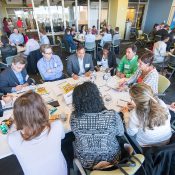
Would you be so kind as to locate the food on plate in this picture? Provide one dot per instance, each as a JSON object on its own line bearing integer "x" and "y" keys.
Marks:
{"x": 68, "y": 87}
{"x": 41, "y": 90}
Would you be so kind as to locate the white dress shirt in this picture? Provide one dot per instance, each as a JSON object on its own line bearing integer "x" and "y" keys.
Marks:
{"x": 104, "y": 63}
{"x": 81, "y": 65}
{"x": 106, "y": 38}
{"x": 89, "y": 38}
{"x": 31, "y": 45}
{"x": 159, "y": 51}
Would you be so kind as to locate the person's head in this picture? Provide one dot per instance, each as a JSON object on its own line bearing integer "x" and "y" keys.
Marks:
{"x": 83, "y": 28}
{"x": 10, "y": 19}
{"x": 15, "y": 30}
{"x": 162, "y": 25}
{"x": 19, "y": 18}
{"x": 18, "y": 63}
{"x": 104, "y": 30}
{"x": 148, "y": 109}
{"x": 46, "y": 51}
{"x": 67, "y": 31}
{"x": 106, "y": 48}
{"x": 117, "y": 29}
{"x": 165, "y": 38}
{"x": 73, "y": 26}
{"x": 93, "y": 27}
{"x": 31, "y": 115}
{"x": 80, "y": 51}
{"x": 131, "y": 51}
{"x": 155, "y": 25}
{"x": 89, "y": 31}
{"x": 4, "y": 40}
{"x": 42, "y": 31}
{"x": 87, "y": 99}
{"x": 146, "y": 61}
{"x": 31, "y": 36}
{"x": 4, "y": 19}
{"x": 166, "y": 27}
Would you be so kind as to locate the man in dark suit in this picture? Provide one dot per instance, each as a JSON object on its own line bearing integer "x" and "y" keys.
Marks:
{"x": 80, "y": 63}
{"x": 14, "y": 78}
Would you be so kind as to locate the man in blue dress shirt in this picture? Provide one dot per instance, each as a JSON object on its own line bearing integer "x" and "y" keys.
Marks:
{"x": 50, "y": 66}
{"x": 16, "y": 38}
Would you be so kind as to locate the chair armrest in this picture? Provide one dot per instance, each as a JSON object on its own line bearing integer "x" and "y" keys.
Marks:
{"x": 77, "y": 165}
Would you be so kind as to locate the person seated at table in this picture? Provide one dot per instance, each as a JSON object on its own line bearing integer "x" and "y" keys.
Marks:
{"x": 116, "y": 35}
{"x": 68, "y": 37}
{"x": 31, "y": 45}
{"x": 107, "y": 37}
{"x": 109, "y": 30}
{"x": 37, "y": 142}
{"x": 106, "y": 59}
{"x": 50, "y": 66}
{"x": 15, "y": 77}
{"x": 146, "y": 73}
{"x": 93, "y": 125}
{"x": 79, "y": 63}
{"x": 73, "y": 30}
{"x": 6, "y": 49}
{"x": 5, "y": 99}
{"x": 89, "y": 38}
{"x": 94, "y": 30}
{"x": 159, "y": 50}
{"x": 149, "y": 118}
{"x": 16, "y": 38}
{"x": 129, "y": 63}
{"x": 163, "y": 31}
{"x": 83, "y": 30}
{"x": 43, "y": 37}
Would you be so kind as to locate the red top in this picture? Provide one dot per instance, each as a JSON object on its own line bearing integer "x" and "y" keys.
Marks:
{"x": 140, "y": 79}
{"x": 19, "y": 23}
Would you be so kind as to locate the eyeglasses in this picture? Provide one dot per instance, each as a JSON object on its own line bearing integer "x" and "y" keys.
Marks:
{"x": 48, "y": 53}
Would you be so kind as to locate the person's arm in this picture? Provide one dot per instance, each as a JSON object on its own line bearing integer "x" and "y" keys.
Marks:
{"x": 21, "y": 39}
{"x": 133, "y": 124}
{"x": 120, "y": 67}
{"x": 4, "y": 86}
{"x": 133, "y": 70}
{"x": 27, "y": 50}
{"x": 114, "y": 64}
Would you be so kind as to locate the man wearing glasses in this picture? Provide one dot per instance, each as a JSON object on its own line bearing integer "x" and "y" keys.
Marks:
{"x": 50, "y": 66}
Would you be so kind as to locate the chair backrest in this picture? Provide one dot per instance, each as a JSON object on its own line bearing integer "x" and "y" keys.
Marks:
{"x": 32, "y": 60}
{"x": 163, "y": 84}
{"x": 171, "y": 60}
{"x": 90, "y": 45}
{"x": 9, "y": 60}
{"x": 157, "y": 38}
{"x": 116, "y": 42}
{"x": 66, "y": 44}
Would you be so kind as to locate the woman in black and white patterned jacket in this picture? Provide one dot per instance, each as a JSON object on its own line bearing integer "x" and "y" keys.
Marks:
{"x": 95, "y": 128}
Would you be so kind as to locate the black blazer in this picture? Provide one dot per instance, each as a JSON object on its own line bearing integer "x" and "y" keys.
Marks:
{"x": 8, "y": 80}
{"x": 111, "y": 60}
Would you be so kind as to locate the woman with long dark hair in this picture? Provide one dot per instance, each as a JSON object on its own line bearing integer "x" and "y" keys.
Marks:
{"x": 95, "y": 127}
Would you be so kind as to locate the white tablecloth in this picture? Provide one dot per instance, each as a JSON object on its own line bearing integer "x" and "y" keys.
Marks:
{"x": 55, "y": 91}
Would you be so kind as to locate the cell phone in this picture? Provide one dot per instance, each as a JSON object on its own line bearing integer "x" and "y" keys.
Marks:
{"x": 54, "y": 103}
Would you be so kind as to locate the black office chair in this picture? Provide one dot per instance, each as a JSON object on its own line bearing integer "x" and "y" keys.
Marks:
{"x": 32, "y": 60}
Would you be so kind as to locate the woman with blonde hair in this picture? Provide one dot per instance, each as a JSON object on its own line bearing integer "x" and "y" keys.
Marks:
{"x": 36, "y": 143}
{"x": 150, "y": 119}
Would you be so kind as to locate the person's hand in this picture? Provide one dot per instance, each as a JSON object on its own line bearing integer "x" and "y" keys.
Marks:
{"x": 19, "y": 87}
{"x": 131, "y": 105}
{"x": 25, "y": 84}
{"x": 7, "y": 98}
{"x": 88, "y": 74}
{"x": 75, "y": 77}
{"x": 172, "y": 105}
{"x": 121, "y": 75}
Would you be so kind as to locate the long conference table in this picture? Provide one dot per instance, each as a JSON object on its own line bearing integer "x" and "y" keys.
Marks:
{"x": 112, "y": 99}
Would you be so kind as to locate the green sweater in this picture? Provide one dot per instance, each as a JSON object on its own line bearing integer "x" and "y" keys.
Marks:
{"x": 128, "y": 67}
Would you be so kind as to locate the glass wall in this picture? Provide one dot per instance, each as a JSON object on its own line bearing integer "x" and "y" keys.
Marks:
{"x": 55, "y": 15}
